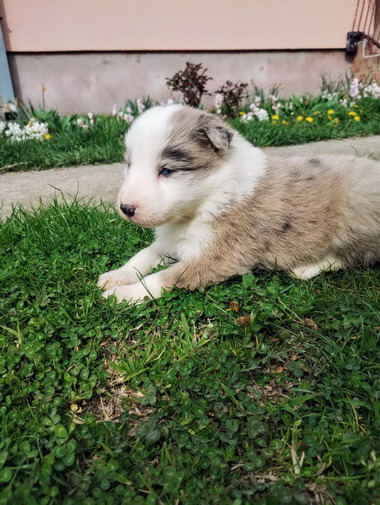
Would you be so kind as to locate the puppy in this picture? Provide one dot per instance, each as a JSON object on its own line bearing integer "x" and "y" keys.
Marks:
{"x": 222, "y": 207}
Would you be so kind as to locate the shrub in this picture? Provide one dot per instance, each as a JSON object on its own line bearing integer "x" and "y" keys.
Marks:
{"x": 191, "y": 82}
{"x": 233, "y": 94}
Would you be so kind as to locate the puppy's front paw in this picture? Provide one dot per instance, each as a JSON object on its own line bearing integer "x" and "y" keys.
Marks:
{"x": 134, "y": 293}
{"x": 114, "y": 278}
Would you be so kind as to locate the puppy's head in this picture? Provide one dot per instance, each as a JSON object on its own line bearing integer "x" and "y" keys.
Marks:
{"x": 172, "y": 155}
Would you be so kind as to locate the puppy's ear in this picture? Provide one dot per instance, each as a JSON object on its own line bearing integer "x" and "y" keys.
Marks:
{"x": 215, "y": 134}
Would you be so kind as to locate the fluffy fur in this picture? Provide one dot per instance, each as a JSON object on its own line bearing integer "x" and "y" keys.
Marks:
{"x": 221, "y": 207}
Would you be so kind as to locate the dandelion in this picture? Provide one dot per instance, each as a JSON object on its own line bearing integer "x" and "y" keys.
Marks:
{"x": 47, "y": 136}
{"x": 284, "y": 122}
{"x": 309, "y": 119}
{"x": 316, "y": 112}
{"x": 336, "y": 120}
{"x": 299, "y": 118}
{"x": 357, "y": 118}
{"x": 352, "y": 113}
{"x": 275, "y": 117}
{"x": 241, "y": 113}
{"x": 330, "y": 111}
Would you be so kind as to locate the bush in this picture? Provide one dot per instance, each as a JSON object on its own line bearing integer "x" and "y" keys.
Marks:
{"x": 191, "y": 82}
{"x": 233, "y": 94}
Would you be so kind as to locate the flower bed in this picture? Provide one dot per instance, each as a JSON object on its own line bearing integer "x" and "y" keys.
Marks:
{"x": 36, "y": 139}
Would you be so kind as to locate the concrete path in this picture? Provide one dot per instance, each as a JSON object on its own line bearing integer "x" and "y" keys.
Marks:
{"x": 101, "y": 182}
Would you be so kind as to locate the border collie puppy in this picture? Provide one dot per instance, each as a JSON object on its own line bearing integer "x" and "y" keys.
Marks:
{"x": 222, "y": 207}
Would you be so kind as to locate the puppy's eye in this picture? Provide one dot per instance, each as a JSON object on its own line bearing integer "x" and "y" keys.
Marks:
{"x": 166, "y": 171}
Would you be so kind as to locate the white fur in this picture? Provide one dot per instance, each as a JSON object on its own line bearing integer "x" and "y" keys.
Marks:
{"x": 163, "y": 202}
{"x": 330, "y": 264}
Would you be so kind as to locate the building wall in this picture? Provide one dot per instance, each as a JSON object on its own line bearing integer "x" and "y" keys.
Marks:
{"x": 167, "y": 25}
{"x": 90, "y": 54}
{"x": 84, "y": 82}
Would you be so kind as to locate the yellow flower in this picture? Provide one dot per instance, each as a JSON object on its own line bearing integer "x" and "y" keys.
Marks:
{"x": 242, "y": 113}
{"x": 316, "y": 112}
{"x": 299, "y": 118}
{"x": 284, "y": 122}
{"x": 330, "y": 111}
{"x": 47, "y": 136}
{"x": 357, "y": 118}
{"x": 309, "y": 119}
{"x": 352, "y": 113}
{"x": 275, "y": 117}
{"x": 336, "y": 120}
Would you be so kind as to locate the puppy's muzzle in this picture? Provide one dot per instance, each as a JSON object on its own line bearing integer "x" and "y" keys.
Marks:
{"x": 128, "y": 210}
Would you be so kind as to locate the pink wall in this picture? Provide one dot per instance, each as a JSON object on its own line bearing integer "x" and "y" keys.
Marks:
{"x": 134, "y": 25}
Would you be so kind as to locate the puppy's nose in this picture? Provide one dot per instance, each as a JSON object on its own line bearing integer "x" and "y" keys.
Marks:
{"x": 128, "y": 210}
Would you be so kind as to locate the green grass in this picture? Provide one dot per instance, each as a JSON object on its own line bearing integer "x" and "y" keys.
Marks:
{"x": 191, "y": 399}
{"x": 103, "y": 143}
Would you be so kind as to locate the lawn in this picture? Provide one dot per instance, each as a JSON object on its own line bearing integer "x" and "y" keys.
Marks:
{"x": 260, "y": 390}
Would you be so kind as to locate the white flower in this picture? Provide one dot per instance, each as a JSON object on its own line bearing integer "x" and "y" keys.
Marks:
{"x": 3, "y": 125}
{"x": 354, "y": 88}
{"x": 261, "y": 114}
{"x": 32, "y": 131}
{"x": 343, "y": 102}
{"x": 170, "y": 101}
{"x": 218, "y": 100}
{"x": 128, "y": 118}
{"x": 114, "y": 110}
{"x": 90, "y": 116}
{"x": 372, "y": 90}
{"x": 257, "y": 100}
{"x": 10, "y": 107}
{"x": 82, "y": 124}
{"x": 140, "y": 106}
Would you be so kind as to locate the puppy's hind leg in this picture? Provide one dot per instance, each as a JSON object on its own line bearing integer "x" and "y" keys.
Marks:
{"x": 329, "y": 264}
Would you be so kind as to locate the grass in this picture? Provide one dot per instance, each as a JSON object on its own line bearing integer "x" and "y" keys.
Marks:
{"x": 261, "y": 390}
{"x": 103, "y": 142}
